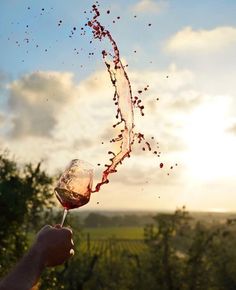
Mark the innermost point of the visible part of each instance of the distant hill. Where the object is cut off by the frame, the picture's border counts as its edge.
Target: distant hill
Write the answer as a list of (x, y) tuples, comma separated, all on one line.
[(140, 218)]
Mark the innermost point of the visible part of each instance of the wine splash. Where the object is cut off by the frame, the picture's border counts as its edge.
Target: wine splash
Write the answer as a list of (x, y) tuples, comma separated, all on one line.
[(123, 100)]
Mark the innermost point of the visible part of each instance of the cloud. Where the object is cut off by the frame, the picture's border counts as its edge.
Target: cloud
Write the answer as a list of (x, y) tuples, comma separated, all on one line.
[(133, 175), (108, 133), (82, 143), (170, 80), (2, 119), (36, 102), (83, 115), (55, 119), (232, 129), (150, 6), (187, 100), (214, 40)]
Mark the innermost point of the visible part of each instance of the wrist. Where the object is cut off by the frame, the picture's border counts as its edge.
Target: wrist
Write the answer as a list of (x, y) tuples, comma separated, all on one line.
[(37, 254)]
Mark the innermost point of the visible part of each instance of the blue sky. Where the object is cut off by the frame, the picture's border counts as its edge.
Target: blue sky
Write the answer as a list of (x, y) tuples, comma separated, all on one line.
[(44, 31), (56, 104)]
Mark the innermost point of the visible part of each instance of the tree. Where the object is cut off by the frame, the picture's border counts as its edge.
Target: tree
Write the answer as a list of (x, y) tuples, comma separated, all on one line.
[(25, 197), (95, 220), (164, 265)]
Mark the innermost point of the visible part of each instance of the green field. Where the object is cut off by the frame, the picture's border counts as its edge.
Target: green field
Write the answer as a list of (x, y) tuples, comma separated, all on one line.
[(112, 240), (127, 233), (112, 247)]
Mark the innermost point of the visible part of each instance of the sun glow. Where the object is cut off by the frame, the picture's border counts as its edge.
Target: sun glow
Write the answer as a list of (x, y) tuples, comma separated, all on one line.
[(210, 147), (218, 210)]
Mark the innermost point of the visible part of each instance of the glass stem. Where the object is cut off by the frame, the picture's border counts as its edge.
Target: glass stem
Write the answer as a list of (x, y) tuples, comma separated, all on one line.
[(64, 216)]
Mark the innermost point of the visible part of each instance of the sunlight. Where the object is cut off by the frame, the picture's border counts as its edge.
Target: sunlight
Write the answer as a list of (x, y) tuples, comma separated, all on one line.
[(218, 210), (210, 147)]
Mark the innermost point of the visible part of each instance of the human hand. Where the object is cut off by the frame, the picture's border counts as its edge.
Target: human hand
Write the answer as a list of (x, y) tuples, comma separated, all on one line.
[(54, 244)]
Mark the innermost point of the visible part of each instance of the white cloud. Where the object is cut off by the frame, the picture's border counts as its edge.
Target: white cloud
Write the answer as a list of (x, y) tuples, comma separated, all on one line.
[(84, 114), (56, 119), (150, 6), (232, 128), (85, 119), (214, 40), (80, 117), (171, 79), (2, 119), (37, 100), (139, 175)]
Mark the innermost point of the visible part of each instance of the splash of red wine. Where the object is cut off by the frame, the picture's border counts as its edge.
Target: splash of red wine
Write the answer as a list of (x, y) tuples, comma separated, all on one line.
[(123, 100)]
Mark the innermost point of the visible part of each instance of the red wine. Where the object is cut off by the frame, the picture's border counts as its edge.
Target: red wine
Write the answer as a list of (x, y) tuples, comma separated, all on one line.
[(71, 199), (123, 99)]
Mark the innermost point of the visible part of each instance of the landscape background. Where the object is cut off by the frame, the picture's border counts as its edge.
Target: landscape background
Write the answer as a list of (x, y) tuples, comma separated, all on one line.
[(116, 250), (170, 228)]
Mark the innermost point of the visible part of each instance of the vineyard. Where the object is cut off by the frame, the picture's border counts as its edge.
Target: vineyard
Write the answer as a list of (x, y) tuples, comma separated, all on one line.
[(111, 247), (112, 241)]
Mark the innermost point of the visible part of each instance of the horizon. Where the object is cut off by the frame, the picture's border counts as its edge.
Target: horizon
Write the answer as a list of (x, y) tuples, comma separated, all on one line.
[(101, 210)]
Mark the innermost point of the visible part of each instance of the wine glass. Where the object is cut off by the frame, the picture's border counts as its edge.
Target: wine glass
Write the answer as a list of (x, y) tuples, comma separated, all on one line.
[(74, 186)]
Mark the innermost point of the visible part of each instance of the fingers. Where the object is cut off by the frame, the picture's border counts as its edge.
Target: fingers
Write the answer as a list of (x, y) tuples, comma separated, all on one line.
[(43, 230), (46, 227), (72, 252), (57, 226), (67, 232), (56, 244)]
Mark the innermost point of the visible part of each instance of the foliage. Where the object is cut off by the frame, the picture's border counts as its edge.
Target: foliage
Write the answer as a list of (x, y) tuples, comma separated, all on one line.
[(180, 254), (25, 198)]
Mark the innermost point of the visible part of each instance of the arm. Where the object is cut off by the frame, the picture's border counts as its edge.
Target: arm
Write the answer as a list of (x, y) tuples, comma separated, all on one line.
[(52, 247)]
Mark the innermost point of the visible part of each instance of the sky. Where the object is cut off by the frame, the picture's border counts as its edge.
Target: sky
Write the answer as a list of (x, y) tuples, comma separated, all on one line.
[(56, 96)]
